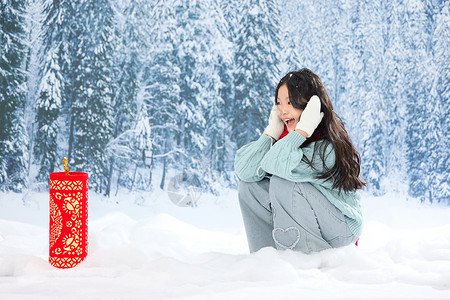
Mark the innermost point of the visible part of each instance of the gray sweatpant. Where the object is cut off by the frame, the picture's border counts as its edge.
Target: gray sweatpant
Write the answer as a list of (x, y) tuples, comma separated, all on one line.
[(291, 215)]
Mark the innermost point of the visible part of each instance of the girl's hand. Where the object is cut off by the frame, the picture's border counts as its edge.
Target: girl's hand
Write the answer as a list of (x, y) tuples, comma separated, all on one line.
[(276, 125), (311, 116)]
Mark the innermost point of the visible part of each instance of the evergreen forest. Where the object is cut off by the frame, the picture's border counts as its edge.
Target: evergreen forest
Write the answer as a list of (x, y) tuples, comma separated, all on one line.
[(134, 91)]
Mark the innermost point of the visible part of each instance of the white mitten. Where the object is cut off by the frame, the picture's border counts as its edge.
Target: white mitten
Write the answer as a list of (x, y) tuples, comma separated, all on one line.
[(276, 125), (311, 116)]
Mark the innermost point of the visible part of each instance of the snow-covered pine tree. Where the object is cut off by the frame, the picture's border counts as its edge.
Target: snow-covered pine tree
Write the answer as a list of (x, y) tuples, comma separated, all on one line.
[(54, 33), (133, 151), (372, 104), (192, 50), (231, 11), (256, 65), (220, 150), (289, 39), (441, 91), (125, 82), (345, 64), (432, 131), (393, 95), (322, 23), (32, 69), (142, 148), (215, 79), (48, 108), (352, 86), (160, 82), (418, 100), (13, 135), (92, 123), (315, 24)]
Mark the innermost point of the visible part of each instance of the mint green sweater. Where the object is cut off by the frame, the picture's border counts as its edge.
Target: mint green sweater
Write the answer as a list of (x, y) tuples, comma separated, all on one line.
[(284, 159)]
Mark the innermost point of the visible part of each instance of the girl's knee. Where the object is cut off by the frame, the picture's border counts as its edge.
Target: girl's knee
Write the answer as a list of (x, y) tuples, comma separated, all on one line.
[(280, 185), (250, 190), (244, 190), (243, 187), (275, 180)]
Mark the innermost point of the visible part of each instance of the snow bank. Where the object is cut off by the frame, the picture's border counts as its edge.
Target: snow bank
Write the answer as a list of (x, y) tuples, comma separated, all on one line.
[(156, 250)]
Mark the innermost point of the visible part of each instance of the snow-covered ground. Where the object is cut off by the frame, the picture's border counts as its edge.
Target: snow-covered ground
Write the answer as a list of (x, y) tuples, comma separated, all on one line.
[(141, 246)]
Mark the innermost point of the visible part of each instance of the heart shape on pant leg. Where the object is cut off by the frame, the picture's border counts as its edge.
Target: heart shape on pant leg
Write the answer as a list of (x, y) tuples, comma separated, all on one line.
[(286, 238)]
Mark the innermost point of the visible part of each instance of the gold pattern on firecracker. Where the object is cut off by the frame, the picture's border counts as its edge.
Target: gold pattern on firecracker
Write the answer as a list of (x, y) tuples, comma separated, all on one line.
[(56, 218), (66, 185), (66, 168), (71, 206)]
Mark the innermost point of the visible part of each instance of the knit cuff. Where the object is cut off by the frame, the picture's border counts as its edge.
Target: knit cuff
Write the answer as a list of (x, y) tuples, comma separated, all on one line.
[(294, 138), (265, 140)]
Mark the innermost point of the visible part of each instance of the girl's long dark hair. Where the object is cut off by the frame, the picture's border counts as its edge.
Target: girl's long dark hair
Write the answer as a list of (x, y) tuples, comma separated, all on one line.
[(302, 85)]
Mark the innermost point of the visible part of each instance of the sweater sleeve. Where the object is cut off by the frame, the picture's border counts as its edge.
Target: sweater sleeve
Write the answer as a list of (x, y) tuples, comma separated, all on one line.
[(248, 159), (285, 159)]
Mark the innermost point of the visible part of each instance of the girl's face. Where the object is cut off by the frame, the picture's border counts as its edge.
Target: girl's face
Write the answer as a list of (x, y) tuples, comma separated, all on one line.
[(288, 113)]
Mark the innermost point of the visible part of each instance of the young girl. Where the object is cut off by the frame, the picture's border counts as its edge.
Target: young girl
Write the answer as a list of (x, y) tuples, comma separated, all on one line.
[(300, 178)]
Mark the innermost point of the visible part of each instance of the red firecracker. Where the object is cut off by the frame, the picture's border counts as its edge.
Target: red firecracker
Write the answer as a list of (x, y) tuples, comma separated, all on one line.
[(68, 219)]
